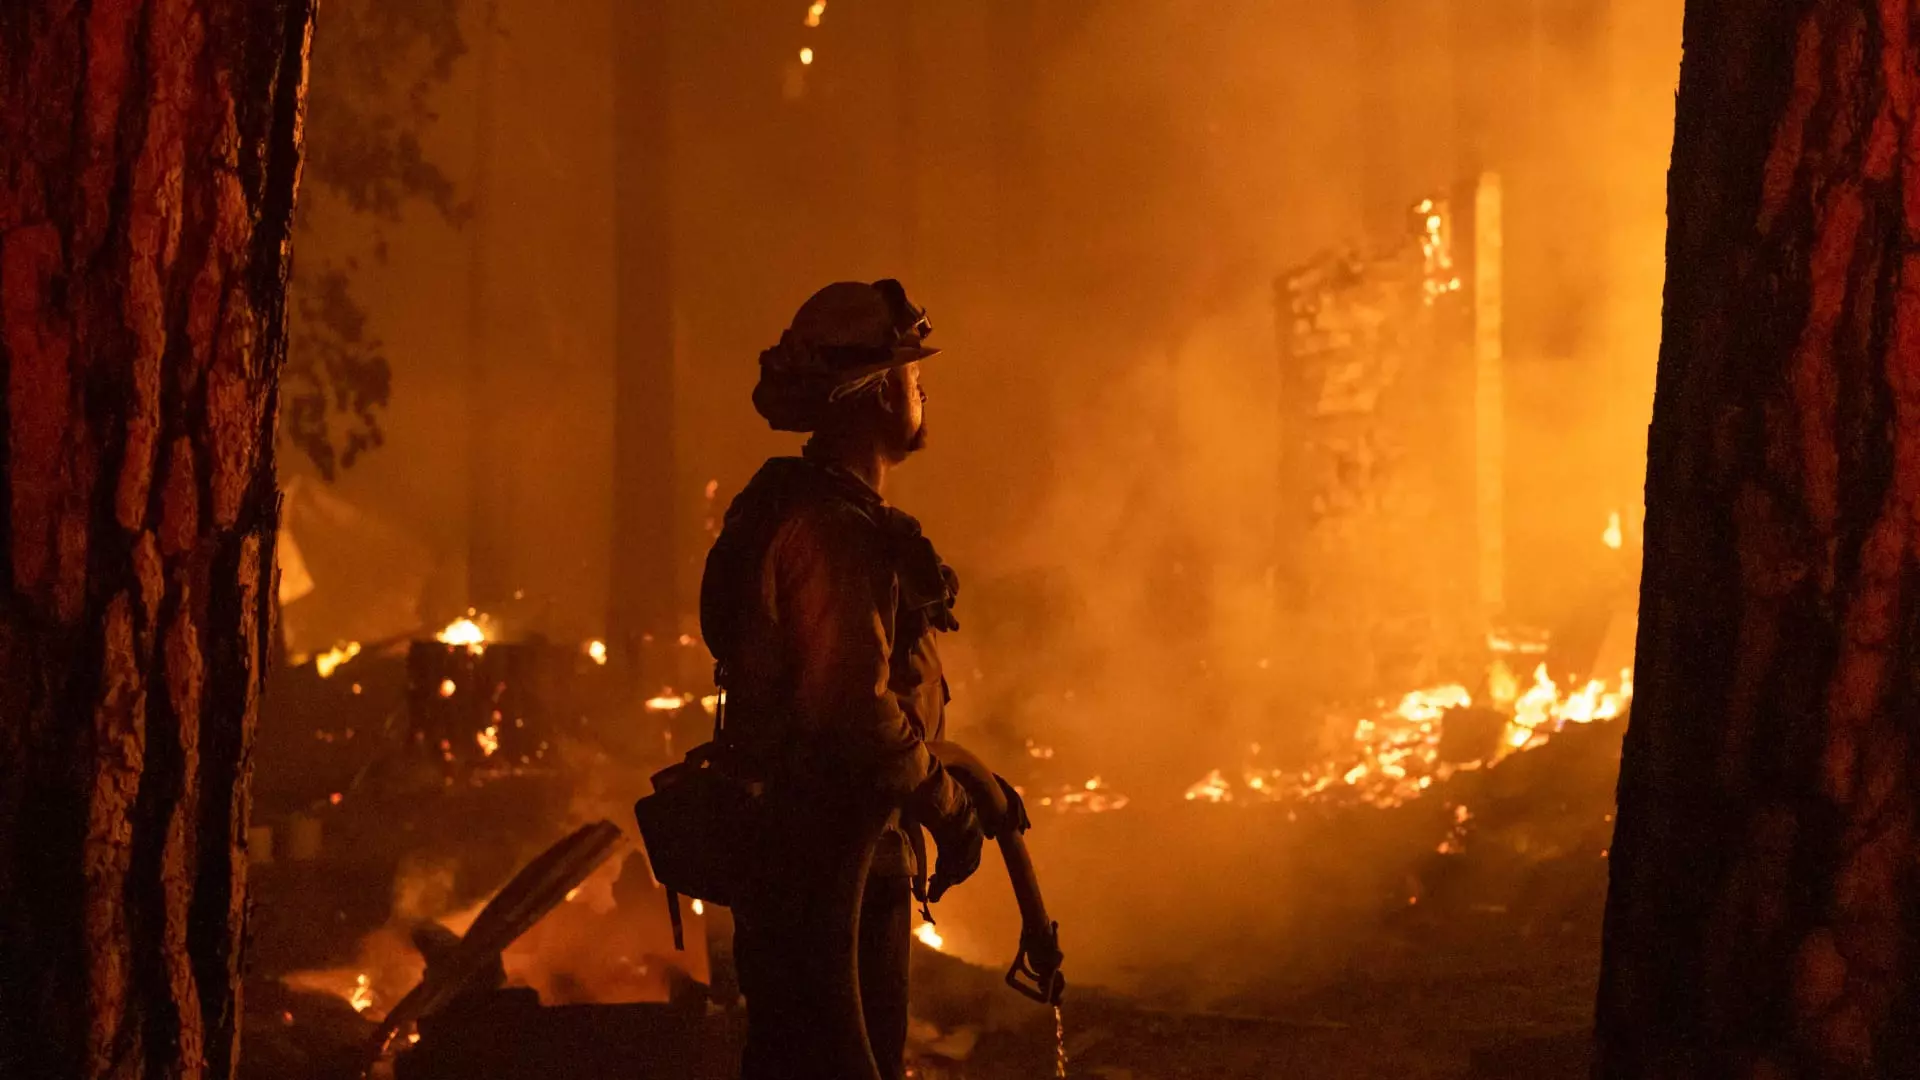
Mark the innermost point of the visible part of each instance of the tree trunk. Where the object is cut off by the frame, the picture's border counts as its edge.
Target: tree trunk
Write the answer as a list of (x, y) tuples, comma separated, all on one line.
[(1760, 920), (149, 154)]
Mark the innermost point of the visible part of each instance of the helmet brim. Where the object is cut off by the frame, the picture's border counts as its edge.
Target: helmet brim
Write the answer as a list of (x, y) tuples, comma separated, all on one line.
[(902, 356)]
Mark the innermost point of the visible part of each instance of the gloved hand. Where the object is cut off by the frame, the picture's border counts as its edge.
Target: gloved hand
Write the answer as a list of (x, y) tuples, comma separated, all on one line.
[(958, 838)]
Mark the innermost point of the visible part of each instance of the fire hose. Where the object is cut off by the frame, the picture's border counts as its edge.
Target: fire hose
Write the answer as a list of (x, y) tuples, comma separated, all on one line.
[(1035, 971), (1036, 965), (537, 889)]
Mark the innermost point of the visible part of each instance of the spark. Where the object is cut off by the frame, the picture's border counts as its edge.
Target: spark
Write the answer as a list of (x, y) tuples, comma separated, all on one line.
[(597, 650), (815, 11), (806, 56), (699, 908), (489, 740), (1614, 537), (447, 687)]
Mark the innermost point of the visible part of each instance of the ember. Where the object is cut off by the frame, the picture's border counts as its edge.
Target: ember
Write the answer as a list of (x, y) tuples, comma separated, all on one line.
[(466, 631), (328, 662), (361, 997)]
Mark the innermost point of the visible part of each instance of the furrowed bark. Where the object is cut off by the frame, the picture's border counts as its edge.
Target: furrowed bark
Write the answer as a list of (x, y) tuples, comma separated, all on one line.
[(1757, 923), (149, 157)]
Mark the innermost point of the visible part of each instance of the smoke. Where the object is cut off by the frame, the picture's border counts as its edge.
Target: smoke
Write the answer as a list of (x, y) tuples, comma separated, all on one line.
[(1121, 548)]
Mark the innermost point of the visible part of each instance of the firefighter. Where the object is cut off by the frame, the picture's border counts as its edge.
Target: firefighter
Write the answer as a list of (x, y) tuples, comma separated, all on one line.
[(822, 603)]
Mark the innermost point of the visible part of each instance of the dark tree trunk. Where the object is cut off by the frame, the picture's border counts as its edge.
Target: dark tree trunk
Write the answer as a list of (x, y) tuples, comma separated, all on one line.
[(1762, 917), (149, 154)]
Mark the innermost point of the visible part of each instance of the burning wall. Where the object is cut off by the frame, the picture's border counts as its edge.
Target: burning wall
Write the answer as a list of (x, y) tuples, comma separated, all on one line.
[(1383, 430)]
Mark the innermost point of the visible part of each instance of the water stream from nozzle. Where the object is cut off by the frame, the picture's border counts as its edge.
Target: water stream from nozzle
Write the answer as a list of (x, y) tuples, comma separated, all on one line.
[(1059, 1046)]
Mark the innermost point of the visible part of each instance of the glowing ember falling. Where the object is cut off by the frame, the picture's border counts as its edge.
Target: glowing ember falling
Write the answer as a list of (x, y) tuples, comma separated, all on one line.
[(597, 652), (699, 907), (806, 55), (328, 662), (489, 740), (814, 11), (1613, 537), (447, 688)]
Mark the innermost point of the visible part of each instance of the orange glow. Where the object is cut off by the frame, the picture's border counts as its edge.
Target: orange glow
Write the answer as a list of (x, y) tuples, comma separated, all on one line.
[(806, 56)]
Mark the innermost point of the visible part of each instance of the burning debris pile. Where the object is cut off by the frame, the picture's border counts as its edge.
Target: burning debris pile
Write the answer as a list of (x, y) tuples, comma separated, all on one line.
[(1396, 752)]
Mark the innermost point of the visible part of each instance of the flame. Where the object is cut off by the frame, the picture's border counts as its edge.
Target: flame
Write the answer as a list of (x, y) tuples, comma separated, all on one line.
[(1427, 706), (667, 701), (327, 662), (361, 998), (929, 936), (1393, 755), (1436, 248), (465, 631), (1502, 688), (489, 739), (1091, 797), (597, 651), (1613, 537), (1212, 788)]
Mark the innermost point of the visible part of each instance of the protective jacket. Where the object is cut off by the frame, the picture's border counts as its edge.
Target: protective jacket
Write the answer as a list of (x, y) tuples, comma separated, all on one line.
[(821, 604)]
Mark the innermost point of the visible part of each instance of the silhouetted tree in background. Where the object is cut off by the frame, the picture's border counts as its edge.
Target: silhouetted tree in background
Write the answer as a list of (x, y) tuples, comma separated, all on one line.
[(377, 63)]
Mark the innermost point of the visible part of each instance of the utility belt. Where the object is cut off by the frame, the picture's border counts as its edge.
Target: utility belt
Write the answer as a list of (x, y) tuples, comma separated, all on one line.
[(699, 823), (702, 823)]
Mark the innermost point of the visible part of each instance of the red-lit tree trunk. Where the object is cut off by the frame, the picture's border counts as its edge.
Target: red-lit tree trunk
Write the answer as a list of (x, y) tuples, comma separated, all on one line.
[(149, 154), (1762, 920)]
